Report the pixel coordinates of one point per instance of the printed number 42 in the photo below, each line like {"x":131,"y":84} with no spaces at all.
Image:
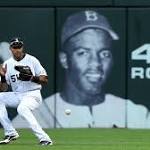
{"x":142,"y":53}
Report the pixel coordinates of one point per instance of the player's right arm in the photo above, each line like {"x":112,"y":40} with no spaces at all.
{"x":3,"y":83}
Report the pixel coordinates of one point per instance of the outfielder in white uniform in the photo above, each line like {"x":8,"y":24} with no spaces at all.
{"x":25,"y":95}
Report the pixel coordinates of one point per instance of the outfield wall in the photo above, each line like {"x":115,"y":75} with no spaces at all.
{"x":39,"y":23}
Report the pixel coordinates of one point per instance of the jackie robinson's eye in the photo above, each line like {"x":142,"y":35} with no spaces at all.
{"x":82,"y":52}
{"x":105,"y":54}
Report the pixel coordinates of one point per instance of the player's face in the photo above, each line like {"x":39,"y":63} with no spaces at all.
{"x":89,"y":60}
{"x":17,"y":53}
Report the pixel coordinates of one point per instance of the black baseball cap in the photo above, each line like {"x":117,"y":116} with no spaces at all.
{"x":83,"y":20}
{"x":16,"y":42}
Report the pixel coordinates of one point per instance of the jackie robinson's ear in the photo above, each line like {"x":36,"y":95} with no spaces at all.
{"x":63,"y":60}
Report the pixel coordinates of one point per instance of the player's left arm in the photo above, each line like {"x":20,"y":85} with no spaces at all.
{"x":40,"y":76}
{"x":42,"y":79}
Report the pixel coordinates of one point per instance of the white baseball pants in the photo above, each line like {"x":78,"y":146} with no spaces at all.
{"x":25,"y":103}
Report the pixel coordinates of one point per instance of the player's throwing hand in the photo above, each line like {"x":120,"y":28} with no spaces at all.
{"x":3,"y":70}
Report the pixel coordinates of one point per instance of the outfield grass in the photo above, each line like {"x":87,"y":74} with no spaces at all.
{"x":84,"y":139}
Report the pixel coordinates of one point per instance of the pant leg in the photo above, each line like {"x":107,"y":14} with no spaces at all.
{"x":7,"y":99}
{"x":28,"y":103}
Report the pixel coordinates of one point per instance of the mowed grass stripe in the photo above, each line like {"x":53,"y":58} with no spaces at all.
{"x":84,"y":139}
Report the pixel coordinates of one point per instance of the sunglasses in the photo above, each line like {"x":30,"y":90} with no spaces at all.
{"x":16,"y":45}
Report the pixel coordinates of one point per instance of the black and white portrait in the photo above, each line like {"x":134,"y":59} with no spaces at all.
{"x":92,"y":88}
{"x":91,"y":73}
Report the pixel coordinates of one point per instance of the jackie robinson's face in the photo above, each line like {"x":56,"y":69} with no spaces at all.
{"x":89,"y":60}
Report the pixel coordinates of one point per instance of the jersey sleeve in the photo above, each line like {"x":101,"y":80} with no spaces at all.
{"x":38,"y":68}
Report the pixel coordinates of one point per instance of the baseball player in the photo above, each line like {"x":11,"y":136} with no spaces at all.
{"x":24,"y":74}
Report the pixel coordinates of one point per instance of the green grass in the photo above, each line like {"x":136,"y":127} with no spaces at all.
{"x":84,"y":139}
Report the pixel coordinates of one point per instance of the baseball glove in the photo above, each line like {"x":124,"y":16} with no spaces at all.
{"x":25,"y":73}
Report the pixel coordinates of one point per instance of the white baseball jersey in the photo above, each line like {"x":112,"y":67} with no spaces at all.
{"x":114,"y":111}
{"x":12,"y":73}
